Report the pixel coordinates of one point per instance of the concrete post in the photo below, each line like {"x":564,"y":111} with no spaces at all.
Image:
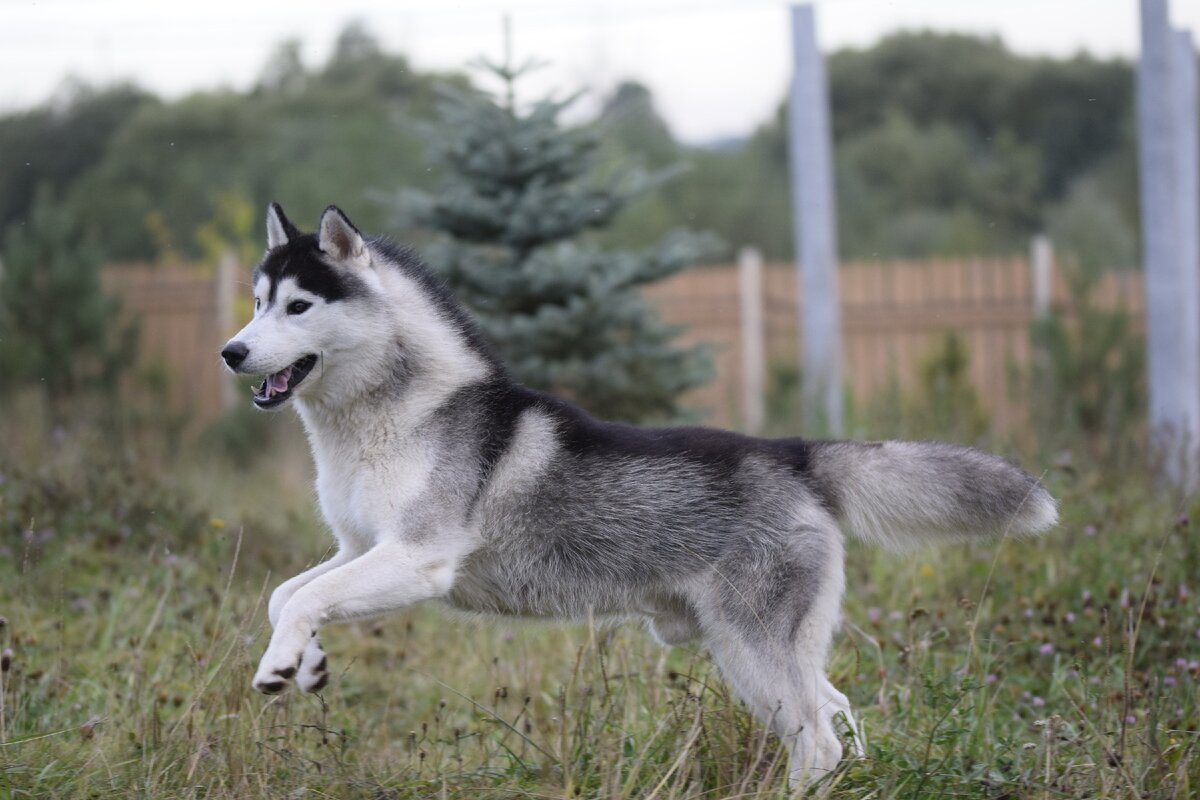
{"x":1187,"y":232}
{"x":815,"y":228}
{"x":1172,"y":396}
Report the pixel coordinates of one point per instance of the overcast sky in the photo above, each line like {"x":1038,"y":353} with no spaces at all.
{"x":716,"y":67}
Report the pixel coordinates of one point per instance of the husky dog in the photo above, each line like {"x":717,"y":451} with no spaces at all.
{"x":443,"y":479}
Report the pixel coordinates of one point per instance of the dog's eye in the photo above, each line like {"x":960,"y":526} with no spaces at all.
{"x":257,"y":303}
{"x":298,"y":306}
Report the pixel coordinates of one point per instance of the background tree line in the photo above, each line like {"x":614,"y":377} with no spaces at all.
{"x":945,"y":144}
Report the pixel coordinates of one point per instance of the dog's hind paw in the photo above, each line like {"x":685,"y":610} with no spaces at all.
{"x":313,"y":674}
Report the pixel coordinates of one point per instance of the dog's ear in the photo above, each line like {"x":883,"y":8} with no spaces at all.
{"x":340,"y":240}
{"x":280,"y":229}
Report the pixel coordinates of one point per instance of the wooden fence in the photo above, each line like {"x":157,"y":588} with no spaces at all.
{"x":894,"y":315}
{"x":183,"y":317}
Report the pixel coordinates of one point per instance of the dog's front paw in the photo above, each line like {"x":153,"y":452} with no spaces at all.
{"x":274,"y":676}
{"x":314,"y":669}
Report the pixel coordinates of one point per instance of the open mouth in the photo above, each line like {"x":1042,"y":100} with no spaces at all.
{"x":278,"y":386}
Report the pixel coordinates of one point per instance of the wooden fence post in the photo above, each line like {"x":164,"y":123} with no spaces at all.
{"x":1041,"y":263}
{"x":754,"y":347}
{"x":815,"y":227}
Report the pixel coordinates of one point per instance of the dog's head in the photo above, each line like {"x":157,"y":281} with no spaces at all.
{"x":315,"y":300}
{"x":337,"y":316}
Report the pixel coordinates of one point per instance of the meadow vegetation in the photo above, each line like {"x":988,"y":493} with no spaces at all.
{"x":134,"y":612}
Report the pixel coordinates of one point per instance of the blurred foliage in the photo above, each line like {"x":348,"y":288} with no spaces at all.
{"x":56,"y":144}
{"x":233,"y":228}
{"x":1088,"y":378}
{"x":58,"y":329}
{"x":944,"y":144}
{"x":244,"y":435}
{"x":147,"y":175}
{"x":1089,"y":224}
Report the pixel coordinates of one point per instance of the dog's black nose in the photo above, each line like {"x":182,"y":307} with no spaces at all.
{"x":234,"y":354}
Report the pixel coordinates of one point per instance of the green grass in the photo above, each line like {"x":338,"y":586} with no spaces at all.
{"x":1061,"y":667}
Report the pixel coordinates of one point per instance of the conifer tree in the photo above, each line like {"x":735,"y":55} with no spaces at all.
{"x":520,"y":193}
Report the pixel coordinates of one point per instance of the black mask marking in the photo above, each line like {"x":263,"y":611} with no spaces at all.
{"x":300,"y":259}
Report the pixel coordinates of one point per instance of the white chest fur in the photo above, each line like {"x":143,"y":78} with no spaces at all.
{"x":368,"y":481}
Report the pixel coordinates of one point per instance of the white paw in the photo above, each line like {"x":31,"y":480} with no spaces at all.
{"x":835,"y":736}
{"x":275,"y":672}
{"x":313,"y":673}
{"x":814,"y":757}
{"x":827,"y":756}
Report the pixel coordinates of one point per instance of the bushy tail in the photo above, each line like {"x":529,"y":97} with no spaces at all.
{"x":905,"y":494}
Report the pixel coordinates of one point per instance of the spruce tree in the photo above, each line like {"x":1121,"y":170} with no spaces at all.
{"x":520,"y":193}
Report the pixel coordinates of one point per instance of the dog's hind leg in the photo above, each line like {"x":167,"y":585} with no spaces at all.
{"x":768,"y":620}
{"x":674,"y":623}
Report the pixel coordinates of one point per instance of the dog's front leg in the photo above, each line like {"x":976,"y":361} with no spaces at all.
{"x":387,"y":577}
{"x":285,"y":590}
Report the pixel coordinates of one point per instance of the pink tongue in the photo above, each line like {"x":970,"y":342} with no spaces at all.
{"x":279,"y":381}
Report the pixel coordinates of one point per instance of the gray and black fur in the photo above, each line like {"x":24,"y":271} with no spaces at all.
{"x":442,"y":478}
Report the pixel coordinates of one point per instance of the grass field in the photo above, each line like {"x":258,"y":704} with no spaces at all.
{"x":135,"y":612}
